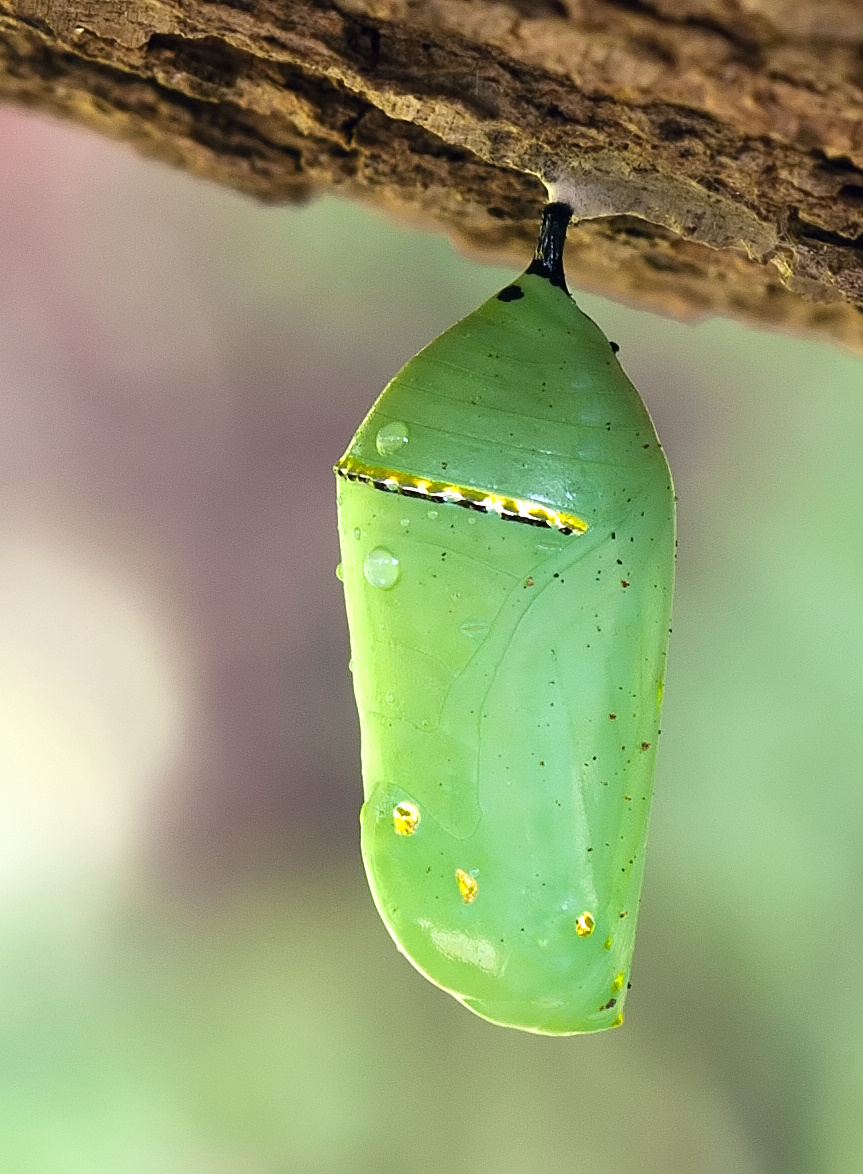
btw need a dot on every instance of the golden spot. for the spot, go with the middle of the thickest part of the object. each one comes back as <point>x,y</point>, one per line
<point>406,816</point>
<point>528,582</point>
<point>584,924</point>
<point>467,886</point>
<point>623,914</point>
<point>617,1020</point>
<point>645,745</point>
<point>617,983</point>
<point>607,943</point>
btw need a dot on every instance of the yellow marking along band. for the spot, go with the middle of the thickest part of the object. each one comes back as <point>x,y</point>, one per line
<point>510,508</point>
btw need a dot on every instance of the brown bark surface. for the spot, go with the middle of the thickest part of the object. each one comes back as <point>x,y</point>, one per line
<point>714,147</point>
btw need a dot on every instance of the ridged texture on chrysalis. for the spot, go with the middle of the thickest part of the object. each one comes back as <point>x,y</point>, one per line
<point>506,520</point>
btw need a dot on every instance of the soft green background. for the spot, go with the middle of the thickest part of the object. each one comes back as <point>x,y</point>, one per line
<point>192,975</point>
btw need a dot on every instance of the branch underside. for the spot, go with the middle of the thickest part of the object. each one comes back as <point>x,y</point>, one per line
<point>716,147</point>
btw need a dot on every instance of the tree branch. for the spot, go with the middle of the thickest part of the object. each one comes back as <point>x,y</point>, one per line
<point>716,146</point>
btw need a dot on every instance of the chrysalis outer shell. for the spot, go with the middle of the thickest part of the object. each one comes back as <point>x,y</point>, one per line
<point>509,680</point>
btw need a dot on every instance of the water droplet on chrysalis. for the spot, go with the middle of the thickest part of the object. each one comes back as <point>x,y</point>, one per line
<point>593,412</point>
<point>590,452</point>
<point>356,531</point>
<point>381,568</point>
<point>432,514</point>
<point>391,438</point>
<point>340,572</point>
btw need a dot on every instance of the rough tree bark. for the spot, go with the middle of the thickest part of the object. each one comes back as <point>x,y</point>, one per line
<point>717,145</point>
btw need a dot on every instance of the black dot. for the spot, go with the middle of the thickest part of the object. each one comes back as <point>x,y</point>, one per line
<point>614,346</point>
<point>510,294</point>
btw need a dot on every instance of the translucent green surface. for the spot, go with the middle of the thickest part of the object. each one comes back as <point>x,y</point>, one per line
<point>509,676</point>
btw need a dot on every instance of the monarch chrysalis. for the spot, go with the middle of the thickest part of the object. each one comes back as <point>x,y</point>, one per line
<point>506,520</point>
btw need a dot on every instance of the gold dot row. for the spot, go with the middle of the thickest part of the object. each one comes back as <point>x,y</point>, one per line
<point>512,508</point>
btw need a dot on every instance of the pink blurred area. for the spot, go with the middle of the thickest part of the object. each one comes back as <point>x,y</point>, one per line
<point>166,446</point>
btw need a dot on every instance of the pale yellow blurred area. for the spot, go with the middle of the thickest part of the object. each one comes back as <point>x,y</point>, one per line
<point>92,713</point>
<point>193,979</point>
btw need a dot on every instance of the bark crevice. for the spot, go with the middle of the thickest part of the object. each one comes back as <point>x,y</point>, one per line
<point>714,148</point>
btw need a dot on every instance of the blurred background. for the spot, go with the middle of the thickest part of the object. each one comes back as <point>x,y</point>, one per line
<point>193,979</point>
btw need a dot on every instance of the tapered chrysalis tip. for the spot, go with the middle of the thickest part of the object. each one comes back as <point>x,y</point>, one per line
<point>548,259</point>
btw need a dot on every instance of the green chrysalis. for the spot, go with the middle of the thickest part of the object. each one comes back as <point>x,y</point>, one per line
<point>506,519</point>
